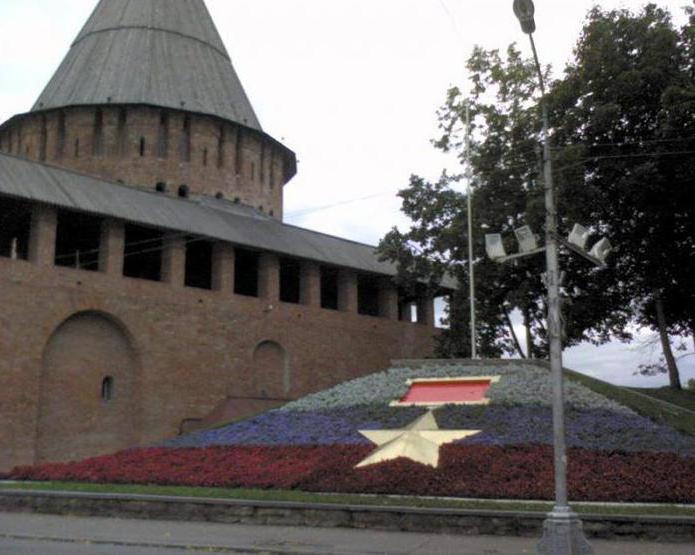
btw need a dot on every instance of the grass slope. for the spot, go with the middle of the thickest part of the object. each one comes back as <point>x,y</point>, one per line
<point>684,398</point>
<point>659,408</point>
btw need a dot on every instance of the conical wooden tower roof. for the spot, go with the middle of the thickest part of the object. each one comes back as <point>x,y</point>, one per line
<point>164,53</point>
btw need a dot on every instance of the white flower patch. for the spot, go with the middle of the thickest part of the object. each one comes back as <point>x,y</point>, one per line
<point>519,384</point>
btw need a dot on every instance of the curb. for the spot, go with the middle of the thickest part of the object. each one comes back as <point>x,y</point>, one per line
<point>324,515</point>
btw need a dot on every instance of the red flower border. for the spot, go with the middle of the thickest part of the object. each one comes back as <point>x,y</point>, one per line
<point>483,471</point>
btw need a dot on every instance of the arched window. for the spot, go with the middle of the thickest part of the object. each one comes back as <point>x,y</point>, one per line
<point>107,389</point>
<point>161,187</point>
<point>271,371</point>
<point>184,191</point>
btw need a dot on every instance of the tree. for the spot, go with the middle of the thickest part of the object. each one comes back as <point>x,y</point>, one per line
<point>622,118</point>
<point>628,100</point>
<point>508,194</point>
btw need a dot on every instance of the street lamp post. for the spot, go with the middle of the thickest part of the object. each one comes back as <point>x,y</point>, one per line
<point>562,529</point>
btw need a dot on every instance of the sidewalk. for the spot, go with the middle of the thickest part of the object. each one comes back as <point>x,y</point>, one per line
<point>144,536</point>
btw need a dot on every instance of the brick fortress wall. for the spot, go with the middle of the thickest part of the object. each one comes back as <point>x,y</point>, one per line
<point>143,146</point>
<point>173,352</point>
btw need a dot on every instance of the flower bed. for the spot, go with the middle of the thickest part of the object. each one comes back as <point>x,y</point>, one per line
<point>500,425</point>
<point>313,444</point>
<point>519,385</point>
<point>485,471</point>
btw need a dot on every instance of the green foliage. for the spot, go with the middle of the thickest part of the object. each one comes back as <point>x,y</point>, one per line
<point>623,126</point>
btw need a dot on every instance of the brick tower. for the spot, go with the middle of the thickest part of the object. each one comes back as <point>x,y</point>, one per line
<point>147,96</point>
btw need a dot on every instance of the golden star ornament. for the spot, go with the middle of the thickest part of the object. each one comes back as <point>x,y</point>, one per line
<point>419,441</point>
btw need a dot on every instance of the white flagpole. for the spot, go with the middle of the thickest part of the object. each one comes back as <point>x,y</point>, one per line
<point>471,265</point>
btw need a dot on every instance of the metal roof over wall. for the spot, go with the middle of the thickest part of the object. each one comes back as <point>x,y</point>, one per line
<point>207,217</point>
<point>164,53</point>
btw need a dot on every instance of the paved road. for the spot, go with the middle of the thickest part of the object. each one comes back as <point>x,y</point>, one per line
<point>54,535</point>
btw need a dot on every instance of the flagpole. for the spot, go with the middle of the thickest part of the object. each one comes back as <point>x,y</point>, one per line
<point>471,265</point>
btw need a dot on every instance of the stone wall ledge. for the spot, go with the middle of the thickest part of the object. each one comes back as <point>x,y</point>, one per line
<point>282,513</point>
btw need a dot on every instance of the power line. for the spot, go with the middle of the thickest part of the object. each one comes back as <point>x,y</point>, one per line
<point>335,204</point>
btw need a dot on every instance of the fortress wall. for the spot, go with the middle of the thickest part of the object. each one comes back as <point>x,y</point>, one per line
<point>177,351</point>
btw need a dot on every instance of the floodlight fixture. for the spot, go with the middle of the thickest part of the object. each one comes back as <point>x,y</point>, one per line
<point>579,236</point>
<point>494,246</point>
<point>601,250</point>
<point>524,11</point>
<point>527,240</point>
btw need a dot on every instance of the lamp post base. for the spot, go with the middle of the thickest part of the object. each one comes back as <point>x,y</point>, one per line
<point>563,534</point>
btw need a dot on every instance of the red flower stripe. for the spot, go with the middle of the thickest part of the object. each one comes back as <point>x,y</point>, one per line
<point>521,472</point>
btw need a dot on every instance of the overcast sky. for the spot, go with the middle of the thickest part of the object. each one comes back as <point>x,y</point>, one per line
<point>352,86</point>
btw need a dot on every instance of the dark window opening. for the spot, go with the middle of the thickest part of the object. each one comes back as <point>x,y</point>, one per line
<point>271,169</point>
<point>407,311</point>
<point>262,172</point>
<point>367,295</point>
<point>198,263</point>
<point>329,288</point>
<point>186,140</point>
<point>15,228</point>
<point>407,306</point>
<point>161,187</point>
<point>107,389</point>
<point>60,142</point>
<point>78,239</point>
<point>184,191</point>
<point>253,171</point>
<point>143,253</point>
<point>19,139</point>
<point>205,157</point>
<point>272,212</point>
<point>163,137</point>
<point>221,144</point>
<point>98,146</point>
<point>219,196</point>
<point>77,148</point>
<point>239,151</point>
<point>43,141</point>
<point>142,146</point>
<point>121,138</point>
<point>246,272</point>
<point>290,280</point>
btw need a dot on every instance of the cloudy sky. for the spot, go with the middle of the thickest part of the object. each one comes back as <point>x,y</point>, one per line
<point>352,86</point>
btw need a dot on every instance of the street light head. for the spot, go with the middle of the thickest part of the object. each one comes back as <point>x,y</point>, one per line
<point>524,11</point>
<point>527,240</point>
<point>579,236</point>
<point>601,250</point>
<point>494,246</point>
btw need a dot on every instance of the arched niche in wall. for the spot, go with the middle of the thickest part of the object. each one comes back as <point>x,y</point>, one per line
<point>87,401</point>
<point>271,370</point>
